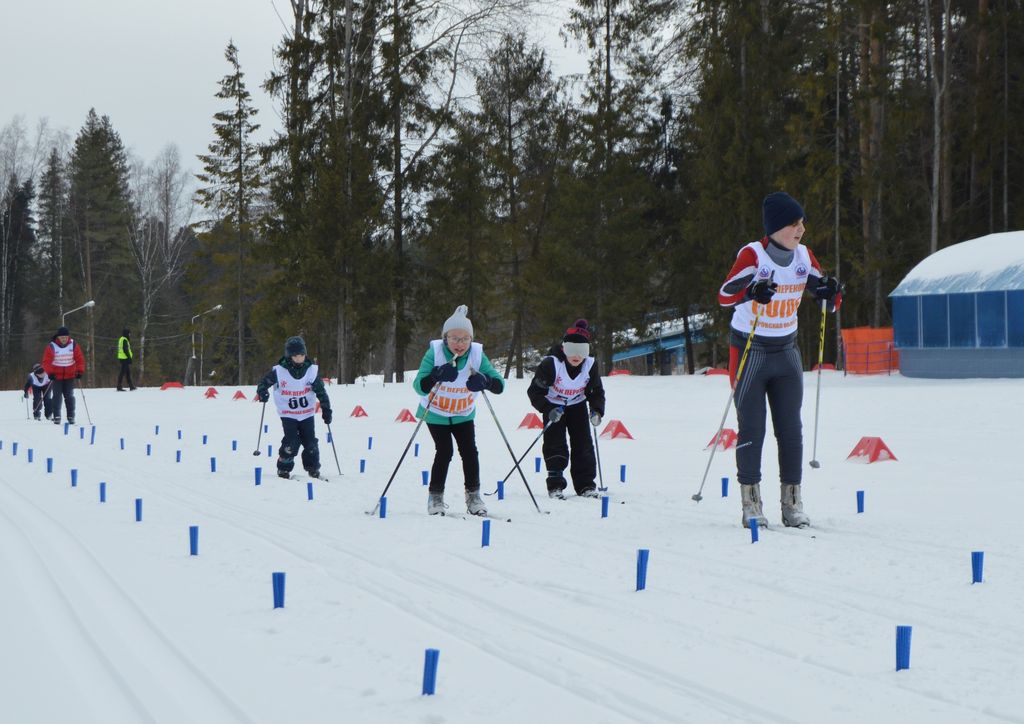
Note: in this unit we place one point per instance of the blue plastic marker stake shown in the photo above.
(1, 444)
(213, 465)
(977, 566)
(234, 444)
(259, 475)
(92, 436)
(362, 465)
(277, 581)
(425, 475)
(138, 510)
(501, 490)
(81, 433)
(330, 437)
(860, 501)
(149, 449)
(266, 429)
(177, 456)
(369, 443)
(642, 557)
(14, 449)
(179, 434)
(270, 451)
(74, 477)
(193, 540)
(204, 439)
(67, 426)
(430, 671)
(536, 465)
(156, 429)
(753, 530)
(383, 507)
(309, 491)
(485, 539)
(725, 487)
(122, 443)
(622, 473)
(416, 450)
(903, 647)
(103, 492)
(30, 454)
(49, 465)
(604, 506)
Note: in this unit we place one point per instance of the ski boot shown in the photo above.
(435, 504)
(474, 503)
(588, 493)
(751, 497)
(793, 514)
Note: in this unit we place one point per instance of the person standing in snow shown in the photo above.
(565, 380)
(125, 357)
(42, 399)
(296, 381)
(64, 362)
(767, 283)
(451, 374)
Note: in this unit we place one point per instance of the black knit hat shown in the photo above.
(779, 211)
(63, 332)
(294, 346)
(578, 332)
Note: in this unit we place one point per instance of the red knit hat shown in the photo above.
(578, 332)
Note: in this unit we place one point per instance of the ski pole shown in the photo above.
(490, 407)
(27, 416)
(331, 436)
(426, 411)
(817, 396)
(521, 458)
(259, 437)
(597, 453)
(732, 392)
(86, 403)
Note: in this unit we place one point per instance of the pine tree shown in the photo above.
(233, 177)
(53, 220)
(17, 237)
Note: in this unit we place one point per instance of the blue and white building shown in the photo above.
(960, 312)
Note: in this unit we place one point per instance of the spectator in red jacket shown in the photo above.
(64, 362)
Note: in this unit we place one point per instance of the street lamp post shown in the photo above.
(211, 309)
(88, 304)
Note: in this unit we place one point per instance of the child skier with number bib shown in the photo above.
(765, 287)
(39, 383)
(296, 381)
(453, 372)
(563, 381)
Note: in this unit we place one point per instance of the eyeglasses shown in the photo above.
(460, 340)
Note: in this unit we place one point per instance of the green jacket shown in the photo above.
(427, 365)
(124, 348)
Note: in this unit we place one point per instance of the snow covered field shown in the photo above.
(105, 619)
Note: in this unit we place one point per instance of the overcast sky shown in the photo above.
(152, 66)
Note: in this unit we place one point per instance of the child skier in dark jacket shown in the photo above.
(296, 381)
(563, 381)
(39, 383)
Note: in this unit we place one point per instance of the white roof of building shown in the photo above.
(990, 263)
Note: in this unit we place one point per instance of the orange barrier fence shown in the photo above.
(870, 351)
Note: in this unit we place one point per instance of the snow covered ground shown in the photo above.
(105, 619)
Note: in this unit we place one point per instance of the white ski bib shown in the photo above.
(565, 390)
(63, 356)
(294, 398)
(454, 399)
(40, 381)
(778, 317)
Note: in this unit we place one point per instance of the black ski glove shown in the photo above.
(476, 382)
(325, 412)
(262, 394)
(555, 414)
(762, 291)
(828, 288)
(445, 373)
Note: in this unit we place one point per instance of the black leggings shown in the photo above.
(775, 373)
(63, 389)
(296, 433)
(465, 437)
(582, 466)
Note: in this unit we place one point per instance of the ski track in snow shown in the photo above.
(545, 618)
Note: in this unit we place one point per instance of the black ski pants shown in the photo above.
(583, 467)
(65, 389)
(774, 373)
(42, 401)
(464, 434)
(296, 433)
(126, 371)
